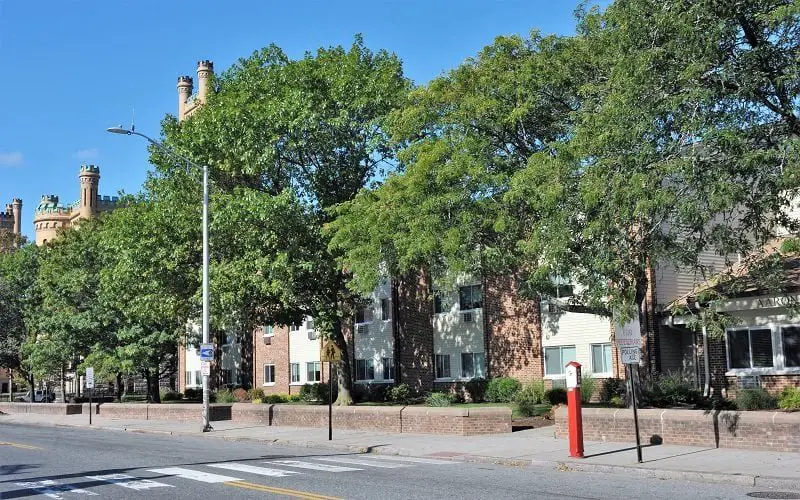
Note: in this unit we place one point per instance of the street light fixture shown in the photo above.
(131, 131)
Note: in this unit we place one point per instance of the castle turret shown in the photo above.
(16, 205)
(90, 180)
(205, 70)
(185, 88)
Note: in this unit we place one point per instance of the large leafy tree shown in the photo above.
(286, 140)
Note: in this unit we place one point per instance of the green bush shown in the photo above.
(440, 399)
(613, 390)
(193, 394)
(373, 393)
(132, 398)
(276, 398)
(476, 388)
(556, 396)
(316, 393)
(295, 398)
(400, 394)
(529, 397)
(170, 396)
(255, 393)
(588, 383)
(755, 399)
(502, 389)
(790, 399)
(673, 389)
(617, 402)
(226, 396)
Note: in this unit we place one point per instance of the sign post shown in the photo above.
(90, 388)
(574, 413)
(628, 340)
(330, 353)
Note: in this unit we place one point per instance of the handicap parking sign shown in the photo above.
(206, 352)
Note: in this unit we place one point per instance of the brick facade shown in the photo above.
(272, 350)
(414, 332)
(512, 330)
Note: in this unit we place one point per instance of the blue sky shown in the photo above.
(73, 68)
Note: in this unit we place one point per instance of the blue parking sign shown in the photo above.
(206, 352)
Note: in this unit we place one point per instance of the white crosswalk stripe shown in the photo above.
(130, 482)
(367, 463)
(252, 469)
(417, 460)
(205, 477)
(308, 465)
(52, 489)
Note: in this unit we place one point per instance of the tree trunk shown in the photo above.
(10, 386)
(343, 378)
(119, 387)
(154, 389)
(148, 387)
(63, 383)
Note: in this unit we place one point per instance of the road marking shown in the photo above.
(355, 461)
(264, 471)
(309, 465)
(19, 445)
(52, 489)
(280, 491)
(130, 482)
(416, 460)
(205, 477)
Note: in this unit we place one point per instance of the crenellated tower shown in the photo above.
(188, 101)
(185, 88)
(90, 181)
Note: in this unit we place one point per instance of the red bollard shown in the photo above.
(574, 409)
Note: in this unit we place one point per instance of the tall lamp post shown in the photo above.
(131, 131)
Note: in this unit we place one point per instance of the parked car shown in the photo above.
(39, 396)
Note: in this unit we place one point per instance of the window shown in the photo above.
(364, 314)
(310, 324)
(556, 357)
(385, 311)
(791, 346)
(312, 334)
(313, 371)
(295, 371)
(230, 376)
(441, 302)
(268, 331)
(442, 366)
(387, 368)
(269, 374)
(198, 377)
(188, 378)
(601, 358)
(750, 348)
(471, 365)
(470, 297)
(293, 328)
(365, 369)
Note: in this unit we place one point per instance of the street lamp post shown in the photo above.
(121, 130)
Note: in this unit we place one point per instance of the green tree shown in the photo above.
(286, 140)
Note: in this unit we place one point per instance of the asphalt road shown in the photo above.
(39, 462)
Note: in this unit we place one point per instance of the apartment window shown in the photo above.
(385, 311)
(387, 368)
(364, 314)
(441, 302)
(442, 366)
(471, 365)
(470, 297)
(269, 374)
(601, 358)
(365, 369)
(188, 379)
(790, 341)
(556, 357)
(294, 328)
(269, 331)
(294, 368)
(750, 348)
(313, 371)
(230, 376)
(198, 377)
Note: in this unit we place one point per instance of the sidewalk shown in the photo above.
(535, 447)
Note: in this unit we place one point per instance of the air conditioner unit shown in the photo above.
(362, 329)
(467, 317)
(267, 340)
(748, 382)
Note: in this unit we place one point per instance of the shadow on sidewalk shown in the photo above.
(630, 448)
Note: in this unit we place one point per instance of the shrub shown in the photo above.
(375, 393)
(240, 394)
(295, 398)
(276, 398)
(529, 397)
(588, 383)
(755, 399)
(131, 398)
(502, 389)
(476, 389)
(255, 393)
(556, 396)
(400, 394)
(226, 396)
(193, 394)
(790, 399)
(672, 389)
(440, 399)
(170, 396)
(613, 389)
(617, 402)
(256, 401)
(316, 393)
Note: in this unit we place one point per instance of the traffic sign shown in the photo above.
(630, 355)
(205, 368)
(330, 352)
(90, 378)
(629, 334)
(206, 352)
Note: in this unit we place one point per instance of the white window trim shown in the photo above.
(591, 360)
(778, 359)
(560, 375)
(274, 373)
(458, 298)
(271, 334)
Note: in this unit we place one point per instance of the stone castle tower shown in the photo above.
(11, 219)
(50, 216)
(187, 101)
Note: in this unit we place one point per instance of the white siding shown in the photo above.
(302, 350)
(575, 329)
(453, 336)
(671, 283)
(378, 343)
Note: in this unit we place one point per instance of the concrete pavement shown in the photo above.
(535, 447)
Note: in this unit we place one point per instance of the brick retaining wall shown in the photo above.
(755, 430)
(42, 408)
